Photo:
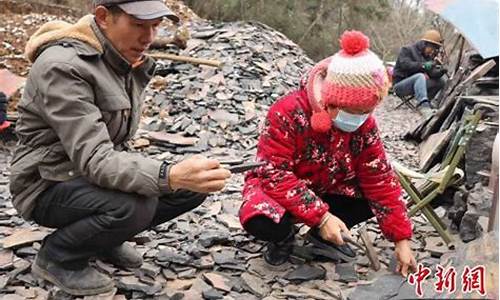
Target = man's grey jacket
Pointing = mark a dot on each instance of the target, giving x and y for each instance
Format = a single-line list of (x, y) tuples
[(81, 103)]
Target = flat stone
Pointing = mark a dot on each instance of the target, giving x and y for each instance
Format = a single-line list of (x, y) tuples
[(347, 272), (390, 286), (13, 297), (150, 269), (218, 281), (212, 294), (225, 257), (196, 290), (27, 278), (23, 237), (174, 139), (213, 237), (4, 280), (107, 268), (230, 221), (190, 273), (315, 252), (223, 116), (255, 285), (20, 266), (42, 294), (305, 273), (26, 251), (296, 292), (483, 251), (436, 246), (205, 262), (131, 284), (105, 296), (259, 267), (171, 255), (6, 259), (180, 284), (168, 274), (469, 227)]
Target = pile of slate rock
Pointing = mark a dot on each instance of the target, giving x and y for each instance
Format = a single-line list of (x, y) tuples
[(194, 109)]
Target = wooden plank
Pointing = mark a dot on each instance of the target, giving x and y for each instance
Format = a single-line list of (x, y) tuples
[(452, 116), (460, 56), (438, 118), (187, 59), (416, 131), (431, 148), (493, 100), (450, 86), (479, 72), (449, 102), (487, 80)]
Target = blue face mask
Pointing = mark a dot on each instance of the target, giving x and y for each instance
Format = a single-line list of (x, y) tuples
[(349, 122)]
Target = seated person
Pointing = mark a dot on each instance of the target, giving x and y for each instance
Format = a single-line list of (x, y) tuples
[(326, 165), (418, 73), (4, 124)]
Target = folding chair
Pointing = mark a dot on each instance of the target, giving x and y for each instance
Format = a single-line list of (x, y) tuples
[(405, 100), (435, 183)]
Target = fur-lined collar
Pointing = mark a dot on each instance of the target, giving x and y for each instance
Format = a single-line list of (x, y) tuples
[(57, 30)]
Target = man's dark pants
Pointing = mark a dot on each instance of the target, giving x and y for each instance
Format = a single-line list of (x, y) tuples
[(91, 219)]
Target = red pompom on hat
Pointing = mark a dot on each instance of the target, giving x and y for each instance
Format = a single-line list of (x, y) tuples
[(354, 42), (354, 77)]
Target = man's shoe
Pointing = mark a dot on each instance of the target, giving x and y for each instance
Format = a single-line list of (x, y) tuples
[(277, 253), (123, 256), (335, 252), (82, 282), (425, 108)]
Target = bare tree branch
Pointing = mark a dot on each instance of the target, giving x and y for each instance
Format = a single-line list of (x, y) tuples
[(319, 15)]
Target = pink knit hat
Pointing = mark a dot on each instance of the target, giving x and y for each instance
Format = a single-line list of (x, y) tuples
[(352, 78)]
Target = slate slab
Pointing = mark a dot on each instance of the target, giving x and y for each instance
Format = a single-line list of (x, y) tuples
[(306, 273)]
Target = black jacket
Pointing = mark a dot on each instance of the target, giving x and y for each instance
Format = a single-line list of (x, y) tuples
[(410, 61)]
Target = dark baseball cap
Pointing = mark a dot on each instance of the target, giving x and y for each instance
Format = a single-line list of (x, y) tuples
[(141, 9)]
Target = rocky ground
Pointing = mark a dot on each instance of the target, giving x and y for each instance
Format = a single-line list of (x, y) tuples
[(214, 112), (206, 254)]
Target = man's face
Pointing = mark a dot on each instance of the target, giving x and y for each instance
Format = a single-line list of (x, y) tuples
[(431, 51), (129, 35)]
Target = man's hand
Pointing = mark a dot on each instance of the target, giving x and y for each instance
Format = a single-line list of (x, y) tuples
[(198, 174), (428, 65), (331, 229), (405, 257)]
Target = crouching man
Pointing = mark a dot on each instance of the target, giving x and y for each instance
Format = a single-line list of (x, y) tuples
[(80, 105)]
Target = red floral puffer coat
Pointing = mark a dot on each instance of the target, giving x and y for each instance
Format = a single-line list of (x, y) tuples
[(303, 165)]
